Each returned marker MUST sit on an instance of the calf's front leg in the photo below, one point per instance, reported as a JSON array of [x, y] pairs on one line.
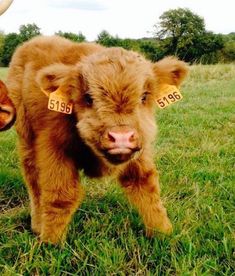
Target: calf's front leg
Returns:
[[61, 193], [141, 186]]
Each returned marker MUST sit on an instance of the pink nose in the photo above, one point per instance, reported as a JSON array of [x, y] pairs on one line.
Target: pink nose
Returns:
[[122, 139]]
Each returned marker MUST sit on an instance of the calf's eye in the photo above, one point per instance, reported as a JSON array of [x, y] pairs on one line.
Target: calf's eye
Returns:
[[144, 97], [88, 99]]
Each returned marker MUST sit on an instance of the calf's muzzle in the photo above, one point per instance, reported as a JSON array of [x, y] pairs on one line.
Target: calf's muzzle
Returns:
[[121, 142]]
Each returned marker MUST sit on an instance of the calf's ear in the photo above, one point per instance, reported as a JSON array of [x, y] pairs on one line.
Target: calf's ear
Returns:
[[7, 109], [170, 71], [57, 75]]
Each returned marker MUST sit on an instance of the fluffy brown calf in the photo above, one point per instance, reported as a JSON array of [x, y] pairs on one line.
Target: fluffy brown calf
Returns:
[[7, 110], [110, 130]]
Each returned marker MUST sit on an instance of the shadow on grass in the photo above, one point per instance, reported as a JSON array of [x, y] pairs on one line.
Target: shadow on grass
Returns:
[[12, 190]]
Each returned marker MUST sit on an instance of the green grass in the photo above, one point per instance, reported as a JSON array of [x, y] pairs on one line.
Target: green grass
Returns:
[[195, 154], [3, 73]]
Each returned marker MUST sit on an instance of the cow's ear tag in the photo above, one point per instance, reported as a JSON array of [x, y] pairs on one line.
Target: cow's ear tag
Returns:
[[169, 94], [59, 101]]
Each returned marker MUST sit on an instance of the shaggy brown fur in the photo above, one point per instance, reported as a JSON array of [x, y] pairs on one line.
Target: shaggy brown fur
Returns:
[[7, 110], [110, 131]]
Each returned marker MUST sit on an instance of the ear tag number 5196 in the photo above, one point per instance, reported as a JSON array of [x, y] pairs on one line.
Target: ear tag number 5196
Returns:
[[59, 102], [169, 95]]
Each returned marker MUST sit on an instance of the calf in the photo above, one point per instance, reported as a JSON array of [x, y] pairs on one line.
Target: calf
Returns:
[[7, 110], [109, 95]]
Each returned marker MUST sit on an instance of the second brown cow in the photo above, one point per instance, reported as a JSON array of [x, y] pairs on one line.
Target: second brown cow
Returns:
[[110, 93], [7, 110]]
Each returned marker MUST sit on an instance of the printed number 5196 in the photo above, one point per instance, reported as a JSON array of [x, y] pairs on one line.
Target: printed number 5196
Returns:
[[60, 106], [168, 99]]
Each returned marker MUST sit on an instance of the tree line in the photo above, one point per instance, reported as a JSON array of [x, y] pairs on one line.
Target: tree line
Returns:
[[179, 32]]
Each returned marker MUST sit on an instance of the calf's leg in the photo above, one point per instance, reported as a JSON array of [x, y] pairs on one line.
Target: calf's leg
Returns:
[[61, 193], [141, 186], [30, 174], [27, 155]]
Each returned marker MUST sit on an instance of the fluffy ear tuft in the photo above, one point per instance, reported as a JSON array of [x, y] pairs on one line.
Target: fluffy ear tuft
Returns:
[[57, 75], [171, 71]]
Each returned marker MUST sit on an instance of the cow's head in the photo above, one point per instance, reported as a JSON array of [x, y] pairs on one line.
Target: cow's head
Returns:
[[4, 5], [113, 93], [7, 110]]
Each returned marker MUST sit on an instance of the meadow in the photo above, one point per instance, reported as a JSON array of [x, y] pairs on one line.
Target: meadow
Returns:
[[195, 155]]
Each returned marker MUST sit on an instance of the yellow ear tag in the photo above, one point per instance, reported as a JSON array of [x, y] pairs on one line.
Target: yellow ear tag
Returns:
[[59, 102], [169, 94]]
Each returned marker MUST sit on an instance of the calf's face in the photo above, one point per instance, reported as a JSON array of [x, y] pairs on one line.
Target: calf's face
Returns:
[[114, 93], [7, 110]]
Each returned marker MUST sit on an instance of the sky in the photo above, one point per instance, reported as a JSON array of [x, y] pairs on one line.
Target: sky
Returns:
[[125, 18]]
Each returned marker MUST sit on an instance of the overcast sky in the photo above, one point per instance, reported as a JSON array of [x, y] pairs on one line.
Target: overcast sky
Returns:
[[125, 18]]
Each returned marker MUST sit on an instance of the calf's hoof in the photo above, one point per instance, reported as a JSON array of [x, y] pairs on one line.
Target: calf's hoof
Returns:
[[36, 226], [166, 229], [52, 237]]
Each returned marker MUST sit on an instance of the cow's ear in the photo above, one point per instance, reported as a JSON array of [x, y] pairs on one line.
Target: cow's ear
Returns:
[[56, 76], [7, 110], [170, 71]]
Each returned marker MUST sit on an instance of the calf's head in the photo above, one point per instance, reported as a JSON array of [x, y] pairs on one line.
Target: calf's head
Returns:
[[113, 93], [7, 110]]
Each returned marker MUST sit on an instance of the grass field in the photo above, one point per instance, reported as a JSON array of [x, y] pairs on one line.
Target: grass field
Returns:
[[195, 154]]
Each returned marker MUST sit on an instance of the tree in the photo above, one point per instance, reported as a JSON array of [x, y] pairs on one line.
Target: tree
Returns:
[[71, 36], [12, 40], [229, 37], [177, 30], [104, 38], [28, 31], [183, 33], [228, 52], [179, 22], [81, 37], [151, 50], [207, 48], [2, 40]]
